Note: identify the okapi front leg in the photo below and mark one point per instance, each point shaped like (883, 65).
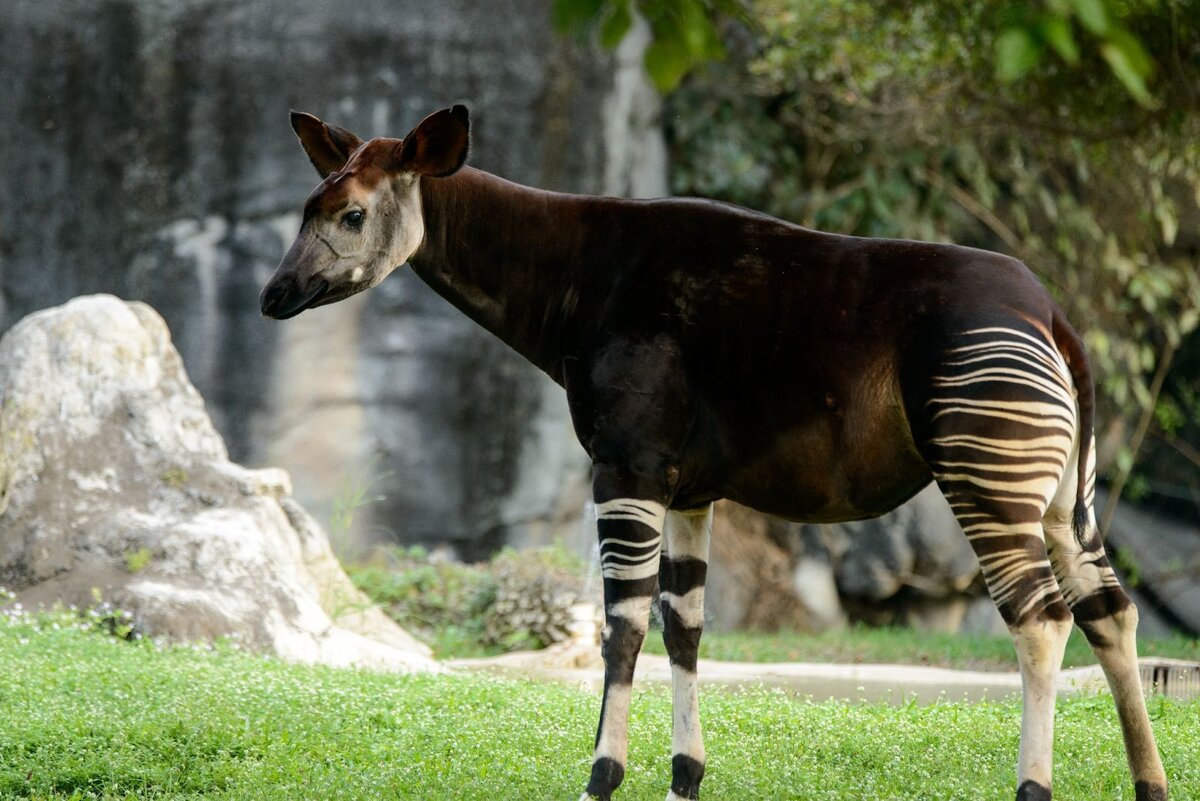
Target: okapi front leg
(681, 598)
(630, 530)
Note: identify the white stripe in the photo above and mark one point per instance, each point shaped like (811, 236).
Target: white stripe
(1025, 467)
(1007, 376)
(686, 737)
(1068, 430)
(688, 534)
(640, 545)
(631, 572)
(1051, 359)
(614, 731)
(1039, 343)
(689, 606)
(649, 513)
(634, 611)
(628, 559)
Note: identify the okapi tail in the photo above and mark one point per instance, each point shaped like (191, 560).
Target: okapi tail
(1071, 347)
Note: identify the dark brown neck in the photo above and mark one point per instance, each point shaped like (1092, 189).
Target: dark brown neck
(503, 254)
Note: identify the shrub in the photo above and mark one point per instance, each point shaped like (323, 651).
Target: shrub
(517, 600)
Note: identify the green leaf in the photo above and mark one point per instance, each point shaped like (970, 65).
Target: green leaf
(1092, 14)
(1189, 320)
(1124, 459)
(616, 24)
(667, 62)
(1129, 44)
(574, 16)
(1142, 394)
(1016, 53)
(1121, 65)
(1168, 221)
(696, 28)
(1057, 33)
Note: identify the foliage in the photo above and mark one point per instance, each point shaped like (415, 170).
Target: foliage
(139, 560)
(683, 33)
(434, 599)
(356, 492)
(1032, 34)
(533, 601)
(889, 120)
(1027, 35)
(85, 717)
(514, 601)
(101, 617)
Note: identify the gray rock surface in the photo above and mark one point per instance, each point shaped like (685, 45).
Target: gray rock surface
(911, 566)
(1162, 557)
(112, 478)
(918, 546)
(148, 144)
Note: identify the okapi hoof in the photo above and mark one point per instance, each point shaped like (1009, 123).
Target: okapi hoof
(1032, 791)
(686, 774)
(1147, 791)
(607, 774)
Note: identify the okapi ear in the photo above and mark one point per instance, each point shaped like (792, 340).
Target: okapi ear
(328, 146)
(438, 146)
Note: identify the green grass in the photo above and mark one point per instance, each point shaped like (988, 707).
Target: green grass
(84, 716)
(860, 644)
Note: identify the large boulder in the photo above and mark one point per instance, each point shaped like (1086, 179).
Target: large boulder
(114, 481)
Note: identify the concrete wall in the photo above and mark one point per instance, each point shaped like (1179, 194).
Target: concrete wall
(145, 151)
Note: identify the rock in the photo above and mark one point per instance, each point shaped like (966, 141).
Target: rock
(982, 617)
(750, 577)
(918, 546)
(1159, 557)
(815, 585)
(112, 478)
(912, 566)
(156, 133)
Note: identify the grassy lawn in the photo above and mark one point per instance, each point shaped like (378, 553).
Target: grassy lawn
(85, 716)
(860, 644)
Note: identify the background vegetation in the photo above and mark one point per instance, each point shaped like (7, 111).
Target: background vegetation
(514, 601)
(1063, 132)
(524, 601)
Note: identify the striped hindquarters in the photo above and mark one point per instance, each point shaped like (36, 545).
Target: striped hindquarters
(1003, 424)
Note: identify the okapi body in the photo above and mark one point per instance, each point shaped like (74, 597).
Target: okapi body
(712, 352)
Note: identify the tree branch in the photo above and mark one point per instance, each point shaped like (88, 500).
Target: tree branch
(1139, 435)
(979, 211)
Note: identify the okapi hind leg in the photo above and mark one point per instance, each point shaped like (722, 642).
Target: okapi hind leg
(630, 522)
(997, 429)
(1016, 568)
(682, 573)
(1108, 619)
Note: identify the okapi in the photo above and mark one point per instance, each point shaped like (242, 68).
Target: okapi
(709, 352)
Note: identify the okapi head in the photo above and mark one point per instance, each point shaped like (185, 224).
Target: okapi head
(364, 219)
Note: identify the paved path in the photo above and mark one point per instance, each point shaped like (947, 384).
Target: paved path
(578, 663)
(895, 683)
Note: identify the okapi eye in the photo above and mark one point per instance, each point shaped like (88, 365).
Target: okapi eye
(353, 219)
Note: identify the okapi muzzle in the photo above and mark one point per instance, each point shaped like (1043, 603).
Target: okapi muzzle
(711, 352)
(296, 285)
